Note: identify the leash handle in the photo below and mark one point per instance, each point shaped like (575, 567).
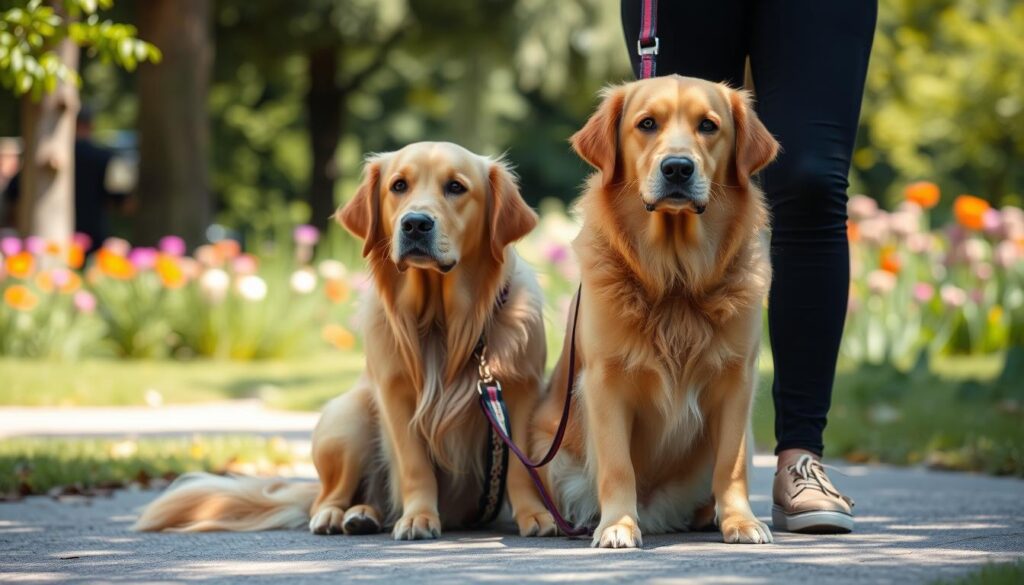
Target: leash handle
(648, 44)
(493, 405)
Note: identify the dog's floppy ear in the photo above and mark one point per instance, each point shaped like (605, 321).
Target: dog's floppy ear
(598, 141)
(755, 146)
(510, 217)
(361, 215)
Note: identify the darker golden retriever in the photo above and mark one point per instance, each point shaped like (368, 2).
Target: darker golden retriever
(674, 275)
(405, 447)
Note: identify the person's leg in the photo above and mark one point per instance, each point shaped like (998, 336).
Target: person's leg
(809, 59)
(697, 38)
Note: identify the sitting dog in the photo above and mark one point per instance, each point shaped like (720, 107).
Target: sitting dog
(406, 446)
(674, 275)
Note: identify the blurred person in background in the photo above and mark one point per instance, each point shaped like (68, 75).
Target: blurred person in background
(10, 154)
(93, 198)
(808, 61)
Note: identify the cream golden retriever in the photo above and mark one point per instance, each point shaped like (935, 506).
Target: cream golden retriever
(674, 273)
(405, 447)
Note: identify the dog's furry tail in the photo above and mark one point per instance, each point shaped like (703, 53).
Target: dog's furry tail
(202, 502)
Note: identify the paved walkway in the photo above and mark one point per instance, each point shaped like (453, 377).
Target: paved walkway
(914, 526)
(236, 416)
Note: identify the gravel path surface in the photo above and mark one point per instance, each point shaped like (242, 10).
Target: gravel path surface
(914, 526)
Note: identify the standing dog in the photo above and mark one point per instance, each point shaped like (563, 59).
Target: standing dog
(405, 446)
(674, 275)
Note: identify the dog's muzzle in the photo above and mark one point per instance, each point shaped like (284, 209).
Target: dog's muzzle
(678, 186)
(417, 241)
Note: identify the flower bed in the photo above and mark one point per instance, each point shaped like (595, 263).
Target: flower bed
(915, 288)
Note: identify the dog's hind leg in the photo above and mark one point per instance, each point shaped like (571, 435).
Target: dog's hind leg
(343, 444)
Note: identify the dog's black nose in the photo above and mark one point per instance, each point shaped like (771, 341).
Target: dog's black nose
(677, 169)
(417, 225)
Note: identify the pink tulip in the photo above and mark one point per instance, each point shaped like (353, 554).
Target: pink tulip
(992, 221)
(10, 246)
(556, 253)
(923, 292)
(83, 240)
(35, 245)
(172, 245)
(143, 258)
(306, 235)
(60, 277)
(245, 264)
(84, 301)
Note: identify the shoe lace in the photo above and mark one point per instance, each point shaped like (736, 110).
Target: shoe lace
(810, 474)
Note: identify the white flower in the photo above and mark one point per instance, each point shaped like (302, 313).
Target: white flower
(303, 281)
(332, 270)
(881, 282)
(861, 207)
(954, 296)
(904, 223)
(251, 288)
(1006, 254)
(214, 284)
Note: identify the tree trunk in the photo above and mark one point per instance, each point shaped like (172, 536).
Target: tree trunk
(325, 107)
(46, 205)
(174, 130)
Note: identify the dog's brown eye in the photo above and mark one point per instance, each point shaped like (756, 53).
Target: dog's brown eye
(454, 188)
(399, 186)
(647, 124)
(707, 126)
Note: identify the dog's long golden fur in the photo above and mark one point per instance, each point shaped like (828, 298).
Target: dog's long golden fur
(674, 274)
(404, 447)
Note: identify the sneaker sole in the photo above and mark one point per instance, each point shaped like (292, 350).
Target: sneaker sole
(817, 522)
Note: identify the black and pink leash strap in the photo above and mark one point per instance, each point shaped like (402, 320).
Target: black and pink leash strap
(647, 44)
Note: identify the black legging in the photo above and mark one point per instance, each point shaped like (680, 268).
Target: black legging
(808, 59)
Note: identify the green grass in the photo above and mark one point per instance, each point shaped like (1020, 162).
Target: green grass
(35, 466)
(300, 384)
(1004, 574)
(951, 414)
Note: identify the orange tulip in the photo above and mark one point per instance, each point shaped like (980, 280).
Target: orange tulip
(337, 290)
(21, 298)
(169, 271)
(970, 211)
(114, 265)
(72, 284)
(76, 256)
(890, 260)
(21, 265)
(338, 336)
(923, 193)
(44, 281)
(852, 231)
(227, 249)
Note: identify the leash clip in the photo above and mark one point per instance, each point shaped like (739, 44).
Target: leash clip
(649, 50)
(483, 369)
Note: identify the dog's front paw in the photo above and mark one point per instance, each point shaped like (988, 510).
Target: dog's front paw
(420, 526)
(540, 523)
(622, 534)
(361, 520)
(745, 530)
(327, 520)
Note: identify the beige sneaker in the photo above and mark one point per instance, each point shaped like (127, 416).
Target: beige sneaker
(806, 501)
